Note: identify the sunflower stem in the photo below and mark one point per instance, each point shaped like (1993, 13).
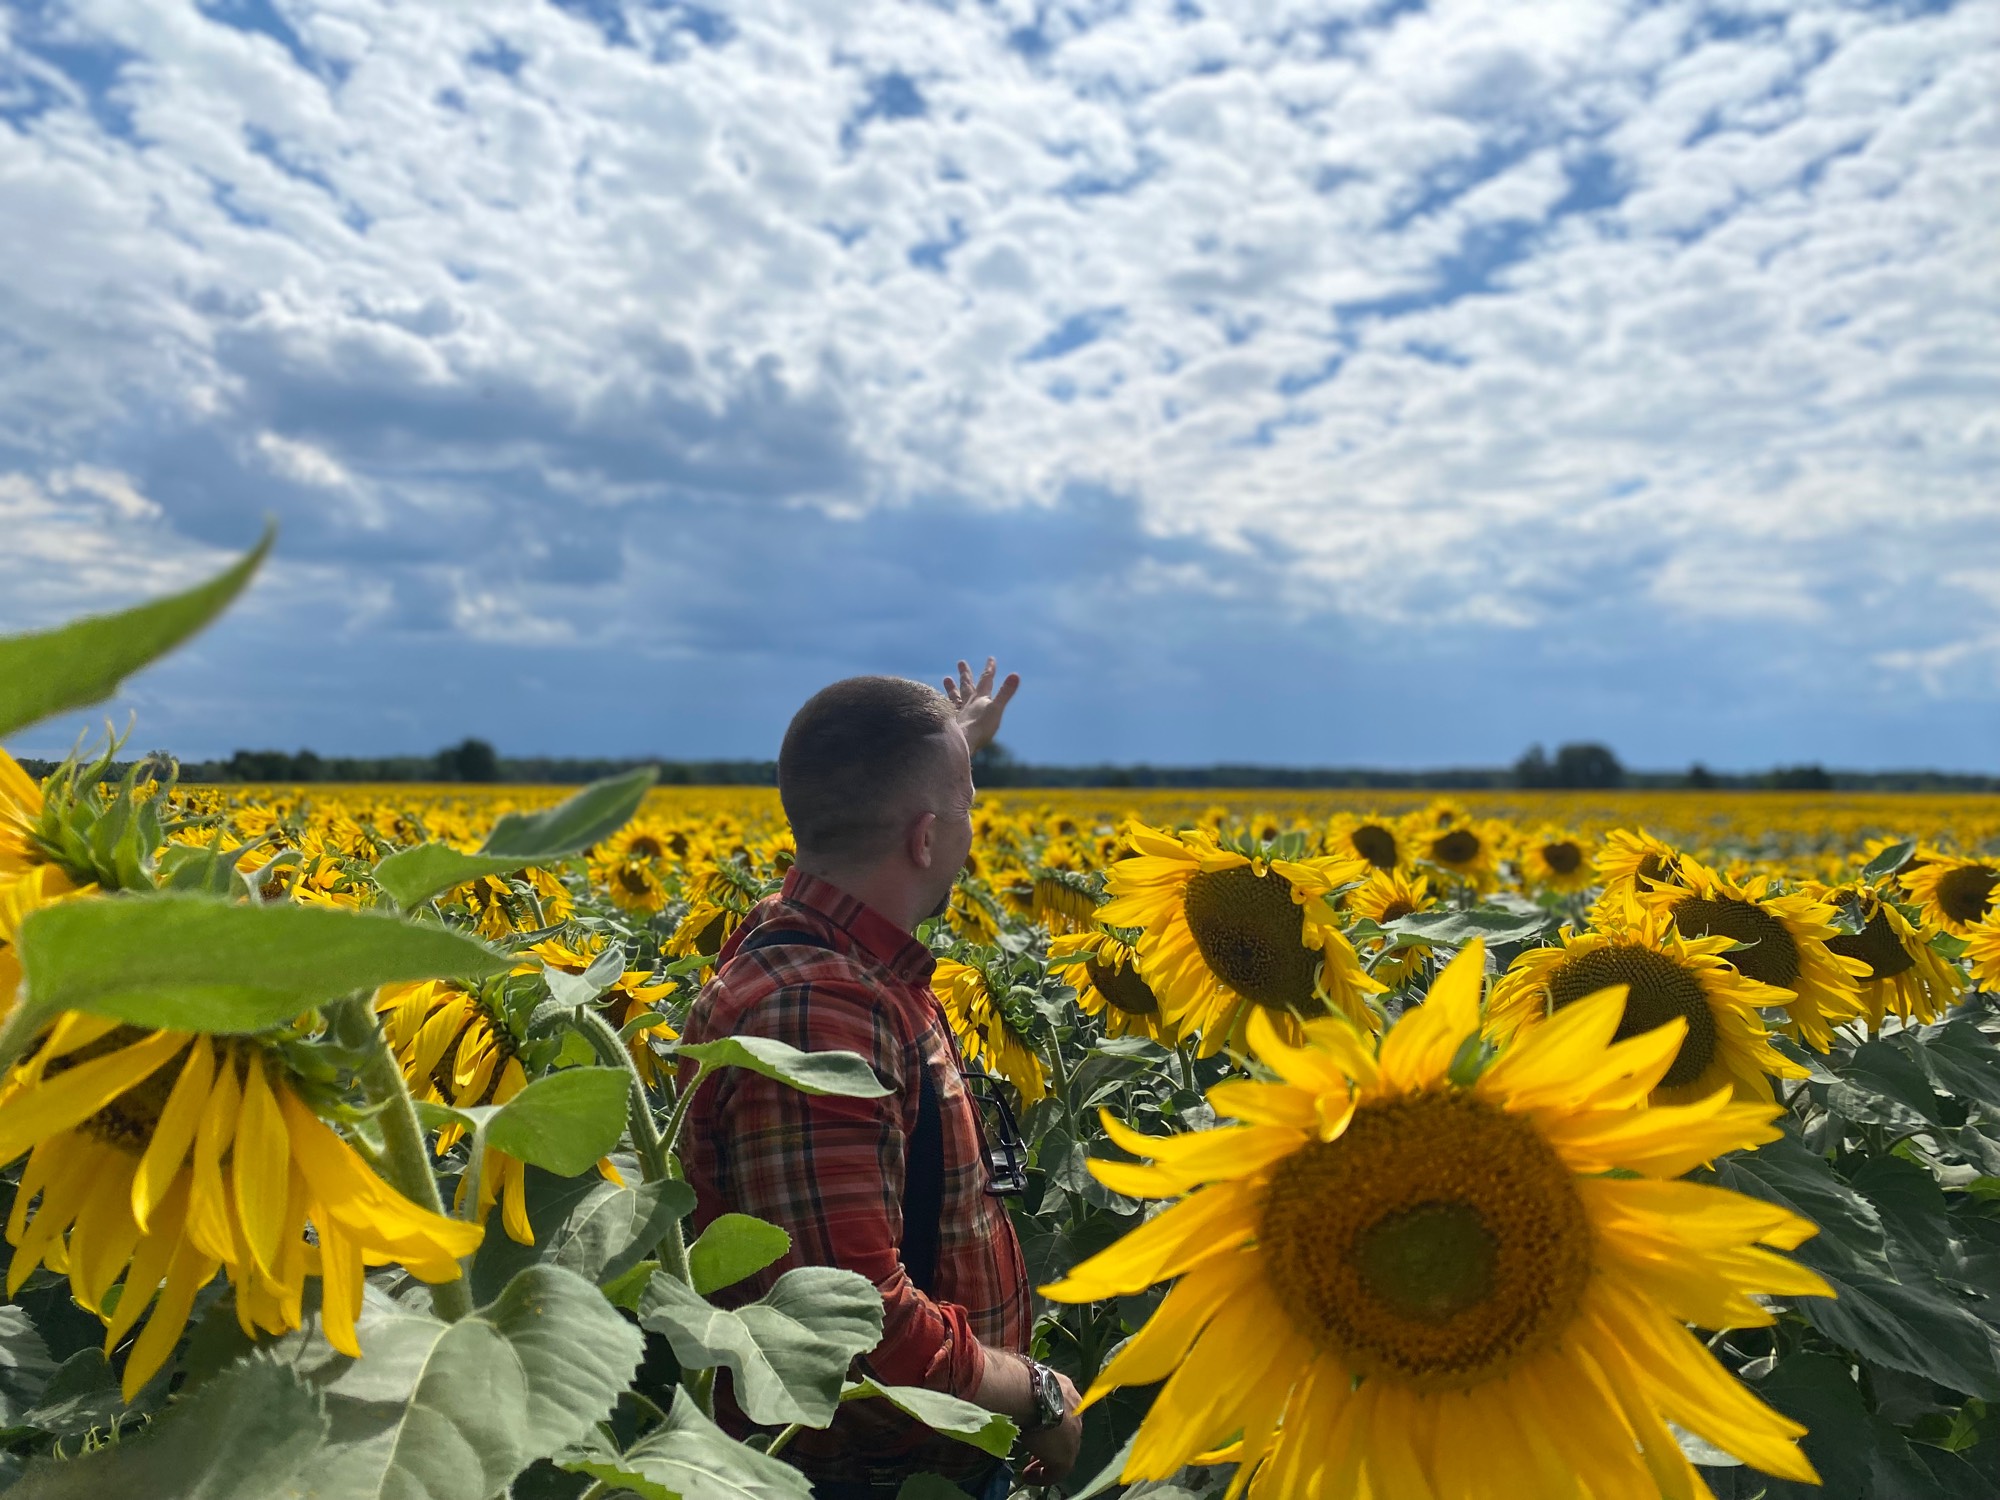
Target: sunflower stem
(406, 1158)
(656, 1158)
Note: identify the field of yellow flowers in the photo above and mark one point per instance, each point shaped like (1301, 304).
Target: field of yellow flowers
(1507, 1145)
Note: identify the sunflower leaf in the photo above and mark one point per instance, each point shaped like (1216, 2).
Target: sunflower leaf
(573, 825)
(411, 876)
(789, 1350)
(846, 1074)
(83, 662)
(187, 962)
(590, 1226)
(983, 1429)
(687, 1457)
(1887, 862)
(732, 1247)
(244, 1435)
(565, 1121)
(453, 1411)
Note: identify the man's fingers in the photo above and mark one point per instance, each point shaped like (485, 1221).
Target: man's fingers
(965, 678)
(986, 677)
(1007, 690)
(951, 690)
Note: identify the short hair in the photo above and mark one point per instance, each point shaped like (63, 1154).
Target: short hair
(850, 758)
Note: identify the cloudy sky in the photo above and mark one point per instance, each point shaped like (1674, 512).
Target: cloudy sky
(1304, 381)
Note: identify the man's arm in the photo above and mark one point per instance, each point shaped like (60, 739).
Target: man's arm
(1007, 1389)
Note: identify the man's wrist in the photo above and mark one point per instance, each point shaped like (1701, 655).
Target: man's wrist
(1047, 1404)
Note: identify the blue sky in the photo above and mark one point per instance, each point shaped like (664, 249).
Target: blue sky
(1293, 381)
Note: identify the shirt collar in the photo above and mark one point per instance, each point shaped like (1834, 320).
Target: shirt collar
(881, 939)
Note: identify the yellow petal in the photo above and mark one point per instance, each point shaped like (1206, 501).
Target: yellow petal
(208, 1205)
(1543, 1062)
(1419, 1048)
(174, 1133)
(340, 1281)
(1158, 1349)
(189, 1273)
(149, 1263)
(1206, 1223)
(261, 1165)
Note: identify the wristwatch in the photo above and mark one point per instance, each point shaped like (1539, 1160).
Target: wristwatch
(1050, 1407)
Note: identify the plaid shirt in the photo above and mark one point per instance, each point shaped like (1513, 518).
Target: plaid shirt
(830, 1170)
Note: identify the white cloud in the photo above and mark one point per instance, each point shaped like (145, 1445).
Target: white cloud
(1348, 320)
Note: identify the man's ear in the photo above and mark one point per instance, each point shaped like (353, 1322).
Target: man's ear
(919, 840)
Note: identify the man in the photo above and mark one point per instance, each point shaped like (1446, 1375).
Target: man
(876, 779)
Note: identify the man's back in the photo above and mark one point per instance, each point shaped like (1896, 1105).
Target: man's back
(832, 1171)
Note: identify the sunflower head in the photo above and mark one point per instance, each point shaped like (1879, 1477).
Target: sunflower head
(1223, 932)
(1667, 979)
(1954, 892)
(1103, 968)
(1780, 941)
(1430, 1272)
(1555, 859)
(988, 1036)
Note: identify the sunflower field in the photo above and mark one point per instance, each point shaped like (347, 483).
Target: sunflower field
(1526, 1145)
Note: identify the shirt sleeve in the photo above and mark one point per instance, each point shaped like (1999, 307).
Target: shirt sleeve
(830, 1172)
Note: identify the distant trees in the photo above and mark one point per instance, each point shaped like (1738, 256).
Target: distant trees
(1701, 779)
(468, 760)
(1799, 779)
(1576, 765)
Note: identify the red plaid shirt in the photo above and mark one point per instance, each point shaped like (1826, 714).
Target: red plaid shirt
(830, 1170)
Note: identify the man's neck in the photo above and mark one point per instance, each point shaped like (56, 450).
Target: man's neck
(878, 889)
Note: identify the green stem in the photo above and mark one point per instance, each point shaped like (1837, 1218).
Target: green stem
(656, 1158)
(406, 1159)
(1187, 1069)
(784, 1437)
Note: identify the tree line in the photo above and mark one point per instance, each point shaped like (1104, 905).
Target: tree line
(1575, 766)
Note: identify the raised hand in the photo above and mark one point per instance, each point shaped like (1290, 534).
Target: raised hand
(979, 706)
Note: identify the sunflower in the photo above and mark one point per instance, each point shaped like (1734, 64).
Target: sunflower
(1421, 1286)
(632, 997)
(1554, 859)
(1104, 970)
(985, 1035)
(1666, 977)
(1223, 934)
(1464, 847)
(162, 1174)
(1955, 893)
(1982, 952)
(1383, 897)
(1906, 976)
(1784, 938)
(22, 849)
(1631, 859)
(1375, 840)
(1064, 899)
(706, 926)
(634, 885)
(454, 1051)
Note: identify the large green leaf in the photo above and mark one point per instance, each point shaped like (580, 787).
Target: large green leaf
(83, 662)
(564, 1121)
(732, 1247)
(453, 1411)
(592, 1227)
(25, 1363)
(195, 963)
(595, 813)
(518, 839)
(843, 1073)
(1787, 1172)
(687, 1457)
(248, 1434)
(1921, 1327)
(1450, 928)
(983, 1429)
(789, 1351)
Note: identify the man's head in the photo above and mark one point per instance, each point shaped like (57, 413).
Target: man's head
(877, 783)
